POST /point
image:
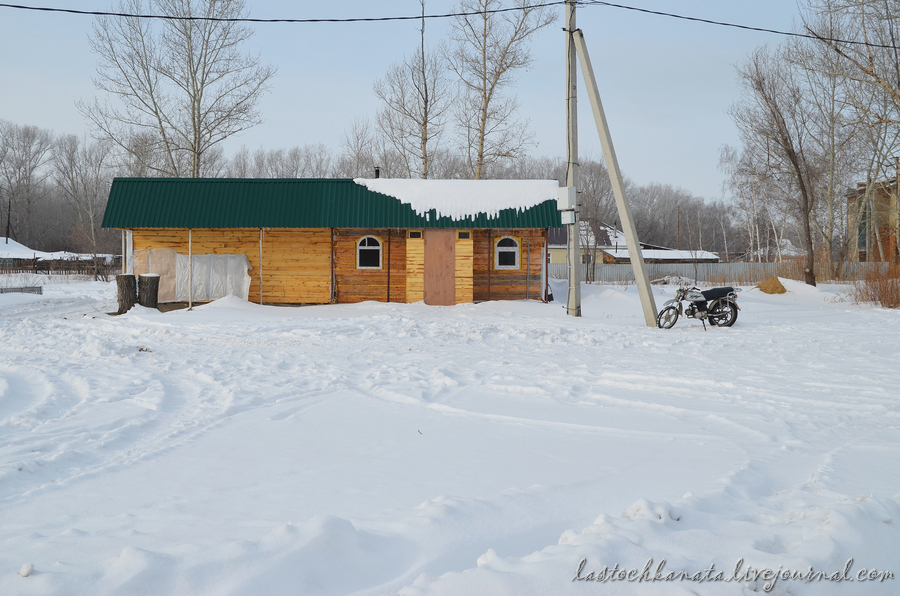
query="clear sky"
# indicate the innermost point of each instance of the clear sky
(666, 84)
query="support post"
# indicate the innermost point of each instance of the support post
(333, 289)
(573, 249)
(389, 266)
(490, 258)
(260, 265)
(648, 304)
(527, 268)
(190, 269)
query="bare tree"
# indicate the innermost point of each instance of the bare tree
(82, 173)
(597, 209)
(489, 47)
(748, 192)
(773, 122)
(361, 153)
(871, 79)
(308, 161)
(834, 125)
(416, 99)
(180, 85)
(876, 62)
(22, 177)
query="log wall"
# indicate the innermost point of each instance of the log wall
(507, 284)
(296, 266)
(357, 285)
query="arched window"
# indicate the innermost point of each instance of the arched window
(506, 253)
(368, 253)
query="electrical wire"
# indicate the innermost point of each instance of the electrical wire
(736, 25)
(99, 13)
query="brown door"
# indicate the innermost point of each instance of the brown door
(440, 267)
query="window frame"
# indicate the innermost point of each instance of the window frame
(359, 247)
(517, 252)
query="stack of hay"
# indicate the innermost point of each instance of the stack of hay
(772, 286)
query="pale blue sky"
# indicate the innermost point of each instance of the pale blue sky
(666, 84)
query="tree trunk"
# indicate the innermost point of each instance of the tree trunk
(127, 287)
(148, 290)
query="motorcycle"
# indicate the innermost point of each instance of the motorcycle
(718, 306)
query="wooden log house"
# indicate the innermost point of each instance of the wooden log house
(315, 241)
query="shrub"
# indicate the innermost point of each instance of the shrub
(879, 286)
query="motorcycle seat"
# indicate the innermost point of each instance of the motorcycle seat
(715, 293)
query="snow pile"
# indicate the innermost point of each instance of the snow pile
(462, 199)
(10, 249)
(477, 449)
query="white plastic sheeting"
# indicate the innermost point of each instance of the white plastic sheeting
(214, 277)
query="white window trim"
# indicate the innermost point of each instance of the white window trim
(380, 252)
(498, 250)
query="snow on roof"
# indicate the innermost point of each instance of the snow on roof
(461, 199)
(618, 247)
(665, 255)
(10, 249)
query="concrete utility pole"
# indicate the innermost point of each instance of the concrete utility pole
(648, 304)
(573, 252)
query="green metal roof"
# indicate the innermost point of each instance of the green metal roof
(285, 203)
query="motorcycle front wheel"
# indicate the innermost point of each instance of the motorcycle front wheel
(667, 317)
(723, 313)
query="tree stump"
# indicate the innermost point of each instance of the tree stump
(148, 290)
(127, 287)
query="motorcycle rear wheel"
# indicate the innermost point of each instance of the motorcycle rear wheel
(723, 313)
(667, 317)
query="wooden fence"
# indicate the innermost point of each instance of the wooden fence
(101, 266)
(719, 273)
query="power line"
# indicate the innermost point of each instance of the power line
(737, 26)
(100, 13)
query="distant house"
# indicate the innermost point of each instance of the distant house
(313, 241)
(611, 247)
(873, 224)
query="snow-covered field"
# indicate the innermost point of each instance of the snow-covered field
(476, 449)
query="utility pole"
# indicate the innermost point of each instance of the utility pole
(648, 304)
(573, 252)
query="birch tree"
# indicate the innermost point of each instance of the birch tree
(179, 85)
(772, 121)
(22, 177)
(82, 173)
(416, 98)
(488, 49)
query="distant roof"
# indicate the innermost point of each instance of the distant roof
(665, 255)
(321, 203)
(607, 236)
(612, 242)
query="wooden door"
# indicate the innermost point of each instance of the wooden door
(440, 267)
